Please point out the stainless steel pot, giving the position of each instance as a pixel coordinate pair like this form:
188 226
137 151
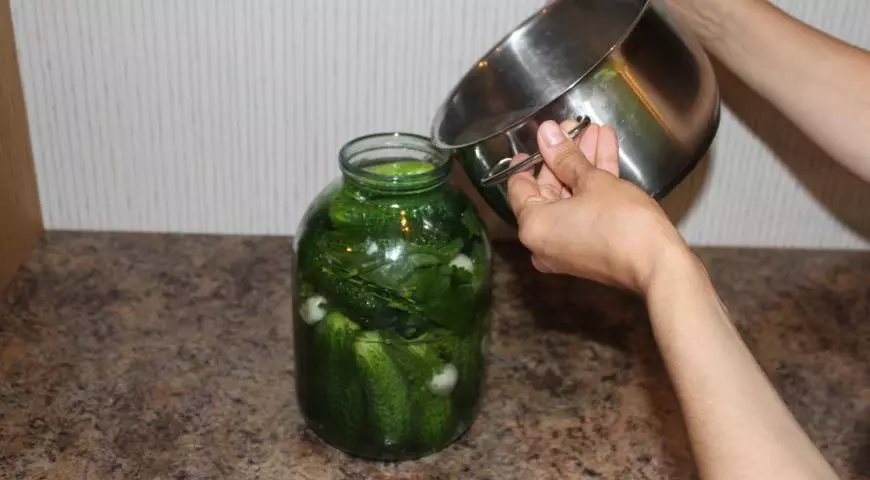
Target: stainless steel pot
623 63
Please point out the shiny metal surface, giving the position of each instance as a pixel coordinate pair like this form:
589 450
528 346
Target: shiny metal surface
623 63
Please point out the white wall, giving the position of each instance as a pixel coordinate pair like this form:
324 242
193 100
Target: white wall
224 116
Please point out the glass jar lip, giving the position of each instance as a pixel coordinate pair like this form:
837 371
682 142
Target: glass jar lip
439 159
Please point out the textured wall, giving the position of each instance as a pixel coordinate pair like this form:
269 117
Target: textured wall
225 115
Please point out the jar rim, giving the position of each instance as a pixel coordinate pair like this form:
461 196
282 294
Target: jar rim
403 146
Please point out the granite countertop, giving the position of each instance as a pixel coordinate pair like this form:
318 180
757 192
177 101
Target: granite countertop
157 356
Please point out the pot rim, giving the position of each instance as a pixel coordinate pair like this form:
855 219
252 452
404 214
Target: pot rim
440 113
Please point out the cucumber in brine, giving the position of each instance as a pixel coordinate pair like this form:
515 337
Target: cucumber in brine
388 405
431 380
435 407
467 355
341 394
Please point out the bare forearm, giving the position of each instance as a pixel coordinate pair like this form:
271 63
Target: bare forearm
738 425
818 82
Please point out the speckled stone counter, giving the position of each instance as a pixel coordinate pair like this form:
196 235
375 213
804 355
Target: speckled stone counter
151 356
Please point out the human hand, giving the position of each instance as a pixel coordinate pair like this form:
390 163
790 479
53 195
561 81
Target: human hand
578 218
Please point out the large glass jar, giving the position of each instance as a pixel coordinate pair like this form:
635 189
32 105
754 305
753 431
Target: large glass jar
392 295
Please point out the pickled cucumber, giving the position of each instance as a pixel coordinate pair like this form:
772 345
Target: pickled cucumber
432 401
387 399
341 393
467 355
432 407
409 218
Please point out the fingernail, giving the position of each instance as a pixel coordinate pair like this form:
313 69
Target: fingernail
552 134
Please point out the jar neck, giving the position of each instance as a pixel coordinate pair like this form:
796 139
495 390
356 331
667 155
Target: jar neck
393 163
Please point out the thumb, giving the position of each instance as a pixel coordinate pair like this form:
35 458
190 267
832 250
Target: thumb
562 155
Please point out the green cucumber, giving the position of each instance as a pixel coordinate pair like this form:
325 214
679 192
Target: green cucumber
405 216
467 356
341 392
432 406
389 406
347 211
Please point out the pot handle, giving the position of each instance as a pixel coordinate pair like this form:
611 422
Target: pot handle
503 169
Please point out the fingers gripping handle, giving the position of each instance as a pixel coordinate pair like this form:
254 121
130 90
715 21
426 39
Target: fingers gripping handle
503 169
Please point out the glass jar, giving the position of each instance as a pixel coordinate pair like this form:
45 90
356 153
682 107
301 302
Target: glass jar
392 295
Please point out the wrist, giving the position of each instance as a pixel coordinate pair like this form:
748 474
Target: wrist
676 264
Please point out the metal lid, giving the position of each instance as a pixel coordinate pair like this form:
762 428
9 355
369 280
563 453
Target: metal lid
539 61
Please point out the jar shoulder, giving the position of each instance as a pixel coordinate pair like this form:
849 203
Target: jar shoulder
426 217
